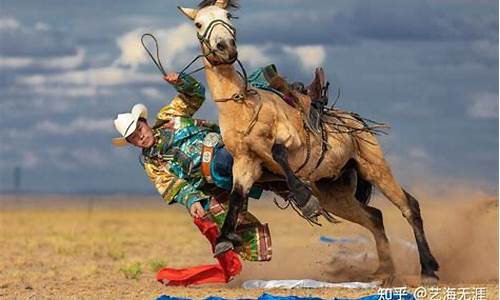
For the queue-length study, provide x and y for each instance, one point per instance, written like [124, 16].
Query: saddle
[318, 91]
[310, 100]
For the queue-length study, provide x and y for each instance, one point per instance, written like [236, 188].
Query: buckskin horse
[263, 132]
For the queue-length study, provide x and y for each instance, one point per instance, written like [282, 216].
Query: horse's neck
[223, 81]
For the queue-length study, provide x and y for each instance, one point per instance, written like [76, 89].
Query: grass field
[111, 248]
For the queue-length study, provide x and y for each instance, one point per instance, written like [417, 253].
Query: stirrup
[222, 247]
[312, 209]
[232, 241]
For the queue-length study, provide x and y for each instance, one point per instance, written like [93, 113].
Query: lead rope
[156, 61]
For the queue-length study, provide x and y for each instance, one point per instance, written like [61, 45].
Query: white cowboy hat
[126, 123]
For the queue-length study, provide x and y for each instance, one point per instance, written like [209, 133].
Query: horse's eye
[198, 25]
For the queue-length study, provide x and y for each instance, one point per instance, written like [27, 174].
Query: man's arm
[173, 189]
[190, 98]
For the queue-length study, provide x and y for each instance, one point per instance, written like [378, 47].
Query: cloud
[15, 62]
[105, 76]
[484, 106]
[298, 27]
[419, 153]
[79, 125]
[33, 41]
[9, 24]
[40, 26]
[482, 52]
[411, 165]
[132, 52]
[152, 93]
[173, 44]
[177, 45]
[309, 57]
[29, 159]
[89, 157]
[79, 91]
[254, 55]
[66, 62]
[485, 51]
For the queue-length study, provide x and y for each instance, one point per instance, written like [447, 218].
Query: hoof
[434, 265]
[312, 208]
[429, 279]
[388, 281]
[222, 247]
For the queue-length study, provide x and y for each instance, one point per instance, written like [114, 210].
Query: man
[186, 161]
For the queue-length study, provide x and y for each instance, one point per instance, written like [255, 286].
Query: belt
[211, 141]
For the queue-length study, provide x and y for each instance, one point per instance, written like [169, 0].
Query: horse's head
[214, 30]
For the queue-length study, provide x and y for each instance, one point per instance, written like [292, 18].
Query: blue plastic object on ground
[266, 296]
[330, 240]
[261, 297]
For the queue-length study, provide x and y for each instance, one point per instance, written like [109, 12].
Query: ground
[111, 247]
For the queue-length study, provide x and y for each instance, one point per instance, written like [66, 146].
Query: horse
[264, 133]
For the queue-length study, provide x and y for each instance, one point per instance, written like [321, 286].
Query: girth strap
[308, 149]
[324, 148]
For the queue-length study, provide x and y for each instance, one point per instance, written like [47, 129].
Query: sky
[427, 68]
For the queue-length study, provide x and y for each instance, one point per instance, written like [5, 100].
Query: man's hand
[197, 210]
[172, 78]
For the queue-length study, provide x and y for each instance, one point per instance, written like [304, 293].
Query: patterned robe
[173, 162]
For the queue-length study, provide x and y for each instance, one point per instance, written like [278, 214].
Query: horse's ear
[222, 3]
[188, 12]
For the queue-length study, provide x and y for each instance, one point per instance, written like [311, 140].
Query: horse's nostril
[233, 43]
[220, 46]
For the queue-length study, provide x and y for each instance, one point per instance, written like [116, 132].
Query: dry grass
[111, 248]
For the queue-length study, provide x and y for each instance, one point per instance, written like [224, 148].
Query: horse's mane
[232, 4]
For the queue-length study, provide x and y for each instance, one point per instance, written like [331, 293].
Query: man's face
[142, 136]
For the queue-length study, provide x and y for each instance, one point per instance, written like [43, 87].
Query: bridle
[204, 38]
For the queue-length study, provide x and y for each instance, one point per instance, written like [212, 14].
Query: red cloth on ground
[229, 264]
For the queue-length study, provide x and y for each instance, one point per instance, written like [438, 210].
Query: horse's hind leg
[380, 175]
[334, 198]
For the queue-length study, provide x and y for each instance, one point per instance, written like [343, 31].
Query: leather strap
[207, 154]
[211, 141]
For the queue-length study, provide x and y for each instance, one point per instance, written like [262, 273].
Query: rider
[185, 159]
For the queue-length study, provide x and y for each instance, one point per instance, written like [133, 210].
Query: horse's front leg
[302, 194]
[245, 172]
